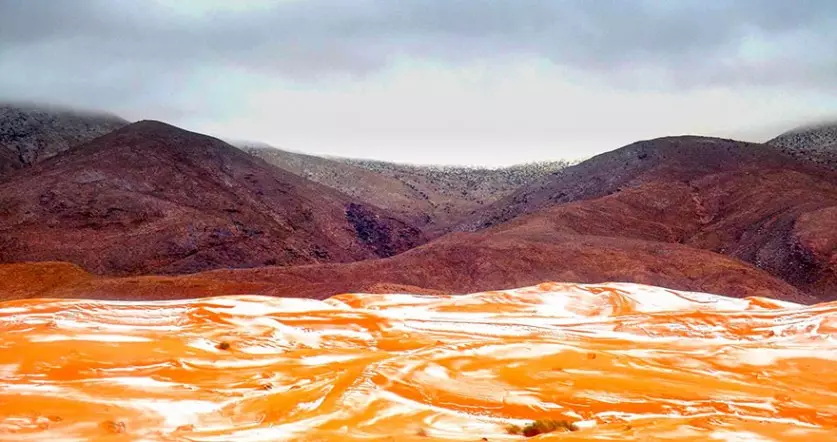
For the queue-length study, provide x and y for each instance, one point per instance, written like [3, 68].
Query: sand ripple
[622, 361]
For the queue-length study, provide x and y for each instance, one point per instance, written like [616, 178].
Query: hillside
[29, 134]
[152, 198]
[371, 187]
[432, 197]
[686, 213]
[734, 198]
[458, 263]
[459, 191]
[816, 144]
[682, 158]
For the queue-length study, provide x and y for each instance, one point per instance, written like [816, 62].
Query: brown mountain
[743, 200]
[655, 233]
[152, 198]
[362, 184]
[9, 161]
[29, 134]
[432, 197]
[816, 144]
[456, 191]
[687, 213]
[457, 263]
[682, 158]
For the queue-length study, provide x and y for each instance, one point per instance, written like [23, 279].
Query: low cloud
[179, 58]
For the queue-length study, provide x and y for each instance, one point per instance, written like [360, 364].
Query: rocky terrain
[432, 197]
[668, 159]
[459, 263]
[554, 362]
[689, 213]
[456, 192]
[816, 144]
[368, 186]
[738, 199]
[152, 198]
[29, 134]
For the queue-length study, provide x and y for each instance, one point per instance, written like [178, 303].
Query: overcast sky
[487, 82]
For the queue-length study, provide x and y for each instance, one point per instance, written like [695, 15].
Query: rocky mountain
[456, 192]
[360, 183]
[689, 213]
[682, 159]
[433, 197]
[739, 199]
[29, 134]
[816, 144]
[152, 198]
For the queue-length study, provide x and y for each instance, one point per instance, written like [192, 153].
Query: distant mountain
[459, 191]
[816, 144]
[365, 185]
[153, 198]
[29, 134]
[433, 197]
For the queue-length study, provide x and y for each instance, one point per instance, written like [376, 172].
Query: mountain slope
[668, 159]
[29, 134]
[676, 209]
[779, 221]
[738, 199]
[433, 197]
[374, 188]
[456, 263]
[152, 198]
[816, 144]
[457, 192]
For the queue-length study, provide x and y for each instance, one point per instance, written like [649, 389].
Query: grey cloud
[105, 50]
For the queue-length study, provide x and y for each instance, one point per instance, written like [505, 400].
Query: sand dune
[620, 361]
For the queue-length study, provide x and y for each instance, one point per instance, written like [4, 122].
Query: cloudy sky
[487, 82]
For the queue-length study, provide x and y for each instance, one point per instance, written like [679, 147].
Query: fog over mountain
[446, 82]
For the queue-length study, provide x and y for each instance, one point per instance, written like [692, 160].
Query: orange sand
[623, 361]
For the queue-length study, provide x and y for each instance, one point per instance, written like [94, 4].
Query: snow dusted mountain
[815, 143]
[597, 362]
[30, 134]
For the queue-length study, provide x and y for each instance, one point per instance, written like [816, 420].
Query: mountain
[29, 134]
[360, 183]
[668, 159]
[686, 213]
[153, 198]
[816, 144]
[597, 362]
[432, 197]
[739, 199]
[456, 192]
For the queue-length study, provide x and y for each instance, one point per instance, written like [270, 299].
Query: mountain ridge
[182, 202]
[432, 197]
